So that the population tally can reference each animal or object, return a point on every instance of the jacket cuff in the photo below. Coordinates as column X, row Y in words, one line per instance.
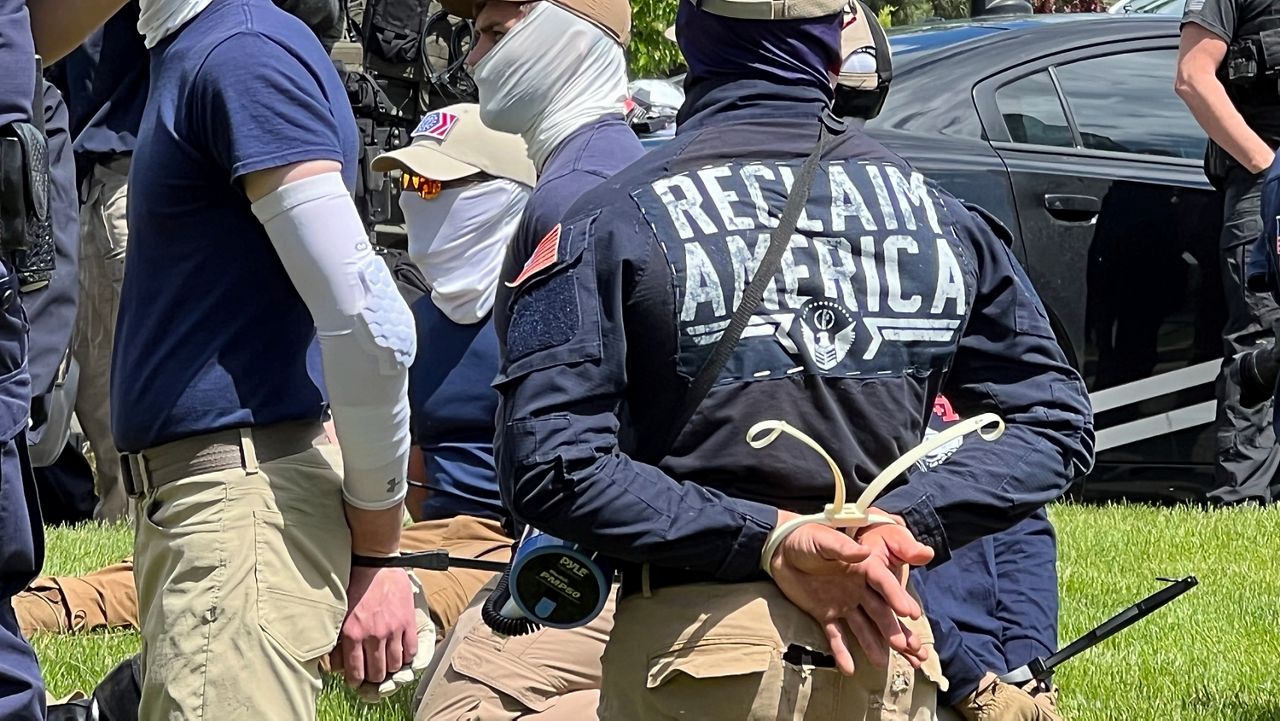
column 743, row 560
column 922, row 520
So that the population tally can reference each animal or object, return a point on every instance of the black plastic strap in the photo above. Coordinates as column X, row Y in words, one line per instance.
column 437, row 560
column 751, row 297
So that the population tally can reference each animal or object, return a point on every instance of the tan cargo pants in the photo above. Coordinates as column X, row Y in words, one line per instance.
column 241, row 579
column 104, row 235
column 548, row 675
column 715, row 652
column 100, row 600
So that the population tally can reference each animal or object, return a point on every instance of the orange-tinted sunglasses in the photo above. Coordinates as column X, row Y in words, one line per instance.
column 429, row 189
column 426, row 188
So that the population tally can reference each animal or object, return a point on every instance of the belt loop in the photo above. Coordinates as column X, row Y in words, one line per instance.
column 136, row 475
column 247, row 454
column 645, row 588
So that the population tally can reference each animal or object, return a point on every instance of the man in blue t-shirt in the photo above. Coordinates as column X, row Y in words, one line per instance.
column 245, row 247
column 106, row 88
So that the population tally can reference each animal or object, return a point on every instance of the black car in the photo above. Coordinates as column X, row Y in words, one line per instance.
column 1068, row 129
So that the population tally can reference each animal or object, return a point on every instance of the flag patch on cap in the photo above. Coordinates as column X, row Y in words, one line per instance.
column 436, row 125
column 543, row 256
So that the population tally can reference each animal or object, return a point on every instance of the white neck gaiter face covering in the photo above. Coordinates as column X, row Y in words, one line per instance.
column 458, row 240
column 157, row 19
column 550, row 75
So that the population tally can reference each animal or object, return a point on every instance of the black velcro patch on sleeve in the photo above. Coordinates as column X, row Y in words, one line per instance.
column 545, row 316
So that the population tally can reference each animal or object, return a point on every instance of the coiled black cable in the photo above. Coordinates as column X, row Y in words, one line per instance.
column 491, row 614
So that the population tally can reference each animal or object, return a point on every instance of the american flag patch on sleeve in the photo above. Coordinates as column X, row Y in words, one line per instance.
column 543, row 257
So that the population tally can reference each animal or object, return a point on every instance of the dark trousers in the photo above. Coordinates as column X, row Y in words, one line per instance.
column 1247, row 457
column 994, row 605
column 21, row 556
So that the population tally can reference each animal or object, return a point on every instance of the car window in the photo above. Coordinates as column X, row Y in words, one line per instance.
column 1125, row 103
column 1033, row 113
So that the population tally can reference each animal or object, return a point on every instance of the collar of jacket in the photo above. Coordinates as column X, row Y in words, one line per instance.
column 715, row 102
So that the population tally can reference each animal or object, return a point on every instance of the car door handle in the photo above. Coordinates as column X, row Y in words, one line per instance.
column 1072, row 207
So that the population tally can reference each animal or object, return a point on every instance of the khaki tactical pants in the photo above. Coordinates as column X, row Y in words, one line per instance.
column 241, row 580
column 104, row 234
column 107, row 597
column 548, row 675
column 100, row 600
column 716, row 652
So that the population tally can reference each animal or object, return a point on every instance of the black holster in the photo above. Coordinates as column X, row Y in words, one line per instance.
column 26, row 222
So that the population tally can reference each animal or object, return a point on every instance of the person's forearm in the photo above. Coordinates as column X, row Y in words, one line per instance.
column 375, row 533
column 1213, row 110
column 59, row 26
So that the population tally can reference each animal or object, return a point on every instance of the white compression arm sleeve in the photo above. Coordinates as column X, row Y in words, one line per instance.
column 367, row 335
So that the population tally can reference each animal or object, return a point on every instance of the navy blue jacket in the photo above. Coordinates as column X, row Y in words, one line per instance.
column 890, row 292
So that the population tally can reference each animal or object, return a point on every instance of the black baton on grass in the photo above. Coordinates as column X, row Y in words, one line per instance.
column 1041, row 668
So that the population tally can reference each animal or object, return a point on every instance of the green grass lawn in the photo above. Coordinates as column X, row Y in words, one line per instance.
column 1209, row 656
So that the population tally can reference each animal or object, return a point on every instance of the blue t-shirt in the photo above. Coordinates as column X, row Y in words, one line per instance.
column 453, row 410
column 211, row 333
column 107, row 88
column 18, row 60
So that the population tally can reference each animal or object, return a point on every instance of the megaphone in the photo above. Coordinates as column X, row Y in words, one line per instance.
column 550, row 582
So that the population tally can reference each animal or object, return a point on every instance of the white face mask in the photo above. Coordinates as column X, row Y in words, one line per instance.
column 550, row 75
column 157, row 19
column 458, row 240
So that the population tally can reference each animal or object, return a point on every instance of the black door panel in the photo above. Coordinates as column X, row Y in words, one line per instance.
column 1121, row 233
column 1083, row 148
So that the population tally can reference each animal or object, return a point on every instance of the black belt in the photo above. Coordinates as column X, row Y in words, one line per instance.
column 633, row 578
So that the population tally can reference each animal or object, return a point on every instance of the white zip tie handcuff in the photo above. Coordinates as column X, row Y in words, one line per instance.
column 839, row 514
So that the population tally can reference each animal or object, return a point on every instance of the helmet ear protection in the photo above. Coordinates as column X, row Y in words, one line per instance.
column 867, row 67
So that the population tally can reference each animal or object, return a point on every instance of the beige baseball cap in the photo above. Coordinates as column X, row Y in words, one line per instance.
column 772, row 9
column 611, row 16
column 452, row 143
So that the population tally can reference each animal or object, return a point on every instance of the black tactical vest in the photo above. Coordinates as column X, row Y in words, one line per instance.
column 1251, row 72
